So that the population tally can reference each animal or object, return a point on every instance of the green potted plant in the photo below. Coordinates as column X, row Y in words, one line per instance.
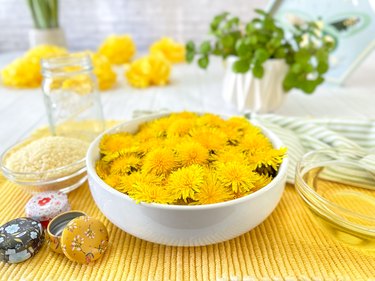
column 46, row 24
column 264, row 61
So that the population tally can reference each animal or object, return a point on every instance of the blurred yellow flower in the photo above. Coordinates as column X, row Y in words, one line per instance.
column 147, row 71
column 169, row 49
column 25, row 72
column 103, row 71
column 118, row 49
column 44, row 51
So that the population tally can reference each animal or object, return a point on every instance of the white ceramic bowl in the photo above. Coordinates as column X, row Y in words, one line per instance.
column 183, row 225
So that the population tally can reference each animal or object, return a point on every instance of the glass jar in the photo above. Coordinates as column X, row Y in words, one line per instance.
column 71, row 97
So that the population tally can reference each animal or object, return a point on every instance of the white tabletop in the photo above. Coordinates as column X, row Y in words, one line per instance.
column 22, row 111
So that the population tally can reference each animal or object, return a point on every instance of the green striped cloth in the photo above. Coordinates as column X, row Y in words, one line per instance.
column 353, row 138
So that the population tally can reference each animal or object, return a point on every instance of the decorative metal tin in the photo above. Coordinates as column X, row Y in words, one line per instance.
column 84, row 239
column 46, row 205
column 20, row 239
column 56, row 227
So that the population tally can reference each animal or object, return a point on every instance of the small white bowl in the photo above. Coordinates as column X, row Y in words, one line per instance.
column 176, row 225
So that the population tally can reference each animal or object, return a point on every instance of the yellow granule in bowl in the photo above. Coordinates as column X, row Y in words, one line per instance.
column 46, row 154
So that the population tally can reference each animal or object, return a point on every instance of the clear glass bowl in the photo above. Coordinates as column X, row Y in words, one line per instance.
column 338, row 186
column 64, row 178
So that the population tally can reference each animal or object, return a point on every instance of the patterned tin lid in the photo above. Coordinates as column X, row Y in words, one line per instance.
column 20, row 239
column 84, row 239
column 46, row 205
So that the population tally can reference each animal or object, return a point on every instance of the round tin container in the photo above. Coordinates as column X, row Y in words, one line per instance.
column 81, row 238
column 20, row 239
column 46, row 205
column 84, row 239
column 57, row 225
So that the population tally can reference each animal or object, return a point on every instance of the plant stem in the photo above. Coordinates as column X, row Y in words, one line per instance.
column 35, row 20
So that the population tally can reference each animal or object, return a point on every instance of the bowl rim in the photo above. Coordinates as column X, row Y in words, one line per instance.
column 303, row 187
column 269, row 134
column 6, row 171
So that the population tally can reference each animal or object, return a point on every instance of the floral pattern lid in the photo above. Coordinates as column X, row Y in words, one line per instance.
column 84, row 239
column 20, row 239
column 46, row 205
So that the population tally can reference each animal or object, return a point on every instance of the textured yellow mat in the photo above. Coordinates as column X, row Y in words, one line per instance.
column 287, row 246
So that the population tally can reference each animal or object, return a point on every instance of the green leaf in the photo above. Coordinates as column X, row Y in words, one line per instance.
column 250, row 28
column 190, row 46
column 189, row 56
column 322, row 67
column 269, row 23
column 203, row 62
column 261, row 55
column 241, row 66
column 205, row 48
column 243, row 49
column 302, row 56
column 296, row 68
column 227, row 41
column 258, row 70
column 261, row 12
column 280, row 53
column 217, row 21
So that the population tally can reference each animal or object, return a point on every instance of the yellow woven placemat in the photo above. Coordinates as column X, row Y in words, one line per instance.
column 287, row 246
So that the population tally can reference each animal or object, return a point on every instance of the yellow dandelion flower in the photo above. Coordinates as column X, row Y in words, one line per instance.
column 251, row 143
column 125, row 165
column 125, row 183
column 115, row 142
column 147, row 71
column 229, row 154
column 262, row 181
column 160, row 161
column 186, row 181
column 238, row 176
column 169, row 49
column 241, row 124
column 174, row 141
column 21, row 73
column 103, row 71
column 81, row 84
column 191, row 152
column 159, row 127
column 25, row 72
column 150, row 145
column 210, row 120
column 160, row 70
column 113, row 180
column 212, row 139
column 102, row 169
column 150, row 193
column 44, row 51
column 180, row 127
column 139, row 72
column 212, row 190
column 268, row 158
column 118, row 49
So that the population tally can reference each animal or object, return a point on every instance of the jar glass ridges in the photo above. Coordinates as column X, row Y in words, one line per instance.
column 71, row 97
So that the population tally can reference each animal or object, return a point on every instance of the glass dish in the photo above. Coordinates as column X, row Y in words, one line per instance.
column 338, row 186
column 64, row 178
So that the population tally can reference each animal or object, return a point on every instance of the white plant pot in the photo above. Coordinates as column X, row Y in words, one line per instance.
column 50, row 36
column 248, row 93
